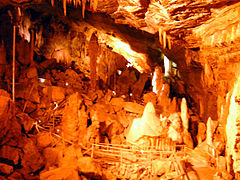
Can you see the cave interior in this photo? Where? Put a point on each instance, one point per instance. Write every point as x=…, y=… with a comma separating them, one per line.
x=119, y=89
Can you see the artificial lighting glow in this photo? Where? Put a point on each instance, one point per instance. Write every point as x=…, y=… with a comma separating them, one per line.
x=56, y=106
x=39, y=121
x=24, y=27
x=114, y=93
x=58, y=130
x=129, y=65
x=166, y=66
x=42, y=80
x=119, y=72
x=123, y=96
x=66, y=84
x=138, y=60
x=163, y=87
x=130, y=94
x=233, y=116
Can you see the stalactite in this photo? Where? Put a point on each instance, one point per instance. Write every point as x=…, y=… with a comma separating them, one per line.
x=83, y=8
x=52, y=2
x=164, y=39
x=169, y=42
x=65, y=7
x=160, y=36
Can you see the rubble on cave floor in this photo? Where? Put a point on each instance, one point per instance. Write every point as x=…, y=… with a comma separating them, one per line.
x=58, y=118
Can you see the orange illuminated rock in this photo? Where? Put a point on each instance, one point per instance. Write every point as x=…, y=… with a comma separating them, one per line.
x=148, y=124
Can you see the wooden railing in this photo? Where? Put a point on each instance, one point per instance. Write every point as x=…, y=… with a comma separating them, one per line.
x=130, y=156
x=134, y=153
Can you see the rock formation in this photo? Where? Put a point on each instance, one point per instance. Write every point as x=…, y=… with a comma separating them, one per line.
x=84, y=70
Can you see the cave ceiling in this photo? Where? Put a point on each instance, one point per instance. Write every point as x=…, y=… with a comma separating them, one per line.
x=171, y=25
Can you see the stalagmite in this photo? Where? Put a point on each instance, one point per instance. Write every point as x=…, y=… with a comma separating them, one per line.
x=70, y=120
x=160, y=35
x=157, y=81
x=184, y=114
x=201, y=132
x=164, y=39
x=209, y=131
x=93, y=54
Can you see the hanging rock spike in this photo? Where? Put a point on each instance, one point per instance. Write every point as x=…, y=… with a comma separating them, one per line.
x=83, y=8
x=160, y=35
x=52, y=3
x=164, y=39
x=65, y=7
x=169, y=42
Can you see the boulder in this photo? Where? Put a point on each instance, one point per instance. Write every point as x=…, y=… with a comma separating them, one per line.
x=44, y=139
x=5, y=169
x=27, y=106
x=13, y=136
x=4, y=104
x=51, y=156
x=55, y=93
x=28, y=90
x=60, y=173
x=70, y=157
x=115, y=128
x=89, y=167
x=31, y=72
x=118, y=102
x=5, y=115
x=117, y=139
x=26, y=121
x=15, y=175
x=31, y=159
x=160, y=167
x=150, y=97
x=133, y=107
x=4, y=93
x=10, y=154
x=124, y=118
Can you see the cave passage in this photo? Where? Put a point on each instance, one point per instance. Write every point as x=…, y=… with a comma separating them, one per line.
x=91, y=90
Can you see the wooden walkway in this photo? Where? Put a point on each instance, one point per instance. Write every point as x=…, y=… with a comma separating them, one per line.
x=131, y=158
x=134, y=153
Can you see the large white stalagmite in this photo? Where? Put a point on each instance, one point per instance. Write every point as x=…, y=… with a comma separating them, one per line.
x=209, y=138
x=232, y=130
x=184, y=114
x=157, y=80
x=147, y=125
x=187, y=138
